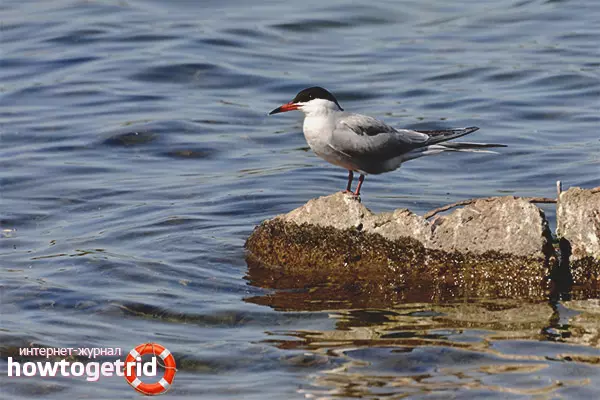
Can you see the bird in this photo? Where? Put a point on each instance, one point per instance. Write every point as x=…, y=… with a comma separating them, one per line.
x=362, y=144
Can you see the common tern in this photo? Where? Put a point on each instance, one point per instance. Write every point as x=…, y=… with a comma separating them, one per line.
x=363, y=144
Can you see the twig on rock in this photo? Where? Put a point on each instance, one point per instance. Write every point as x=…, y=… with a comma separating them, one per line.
x=438, y=210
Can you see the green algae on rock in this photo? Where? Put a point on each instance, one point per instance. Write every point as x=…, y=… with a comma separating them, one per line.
x=337, y=246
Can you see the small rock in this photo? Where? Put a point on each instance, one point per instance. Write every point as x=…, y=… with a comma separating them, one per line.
x=578, y=217
x=325, y=211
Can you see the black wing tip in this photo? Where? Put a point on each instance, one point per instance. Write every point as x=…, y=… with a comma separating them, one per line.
x=471, y=129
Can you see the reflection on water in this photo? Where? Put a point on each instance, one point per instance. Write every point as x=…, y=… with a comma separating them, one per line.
x=472, y=348
x=387, y=344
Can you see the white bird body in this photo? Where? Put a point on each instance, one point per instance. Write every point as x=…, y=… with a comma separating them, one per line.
x=364, y=144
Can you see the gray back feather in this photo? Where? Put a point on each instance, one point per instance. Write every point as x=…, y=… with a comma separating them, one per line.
x=358, y=135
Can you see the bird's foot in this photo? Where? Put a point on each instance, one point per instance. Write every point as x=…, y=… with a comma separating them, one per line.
x=352, y=194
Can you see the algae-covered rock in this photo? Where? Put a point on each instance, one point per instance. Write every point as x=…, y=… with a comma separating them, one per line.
x=338, y=245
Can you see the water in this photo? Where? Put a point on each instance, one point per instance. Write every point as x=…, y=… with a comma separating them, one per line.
x=137, y=157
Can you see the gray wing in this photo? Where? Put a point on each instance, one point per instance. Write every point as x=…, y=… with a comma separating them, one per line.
x=363, y=137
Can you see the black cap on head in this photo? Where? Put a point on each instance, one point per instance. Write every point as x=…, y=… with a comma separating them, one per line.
x=315, y=92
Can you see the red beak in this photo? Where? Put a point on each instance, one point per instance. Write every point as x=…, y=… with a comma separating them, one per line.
x=286, y=107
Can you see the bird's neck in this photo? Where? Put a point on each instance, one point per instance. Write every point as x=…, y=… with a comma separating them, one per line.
x=319, y=121
x=322, y=112
x=319, y=108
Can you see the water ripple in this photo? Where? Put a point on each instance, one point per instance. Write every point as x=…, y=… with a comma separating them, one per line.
x=137, y=156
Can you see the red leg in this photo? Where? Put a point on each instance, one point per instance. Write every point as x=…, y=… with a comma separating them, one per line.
x=350, y=179
x=361, y=179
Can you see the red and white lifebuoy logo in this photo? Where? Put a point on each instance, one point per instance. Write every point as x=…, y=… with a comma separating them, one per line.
x=133, y=369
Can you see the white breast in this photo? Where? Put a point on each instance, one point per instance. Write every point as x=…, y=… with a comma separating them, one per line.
x=318, y=132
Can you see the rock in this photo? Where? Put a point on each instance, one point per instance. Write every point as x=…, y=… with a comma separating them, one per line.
x=341, y=211
x=336, y=243
x=503, y=224
x=578, y=217
x=578, y=227
x=325, y=211
x=400, y=223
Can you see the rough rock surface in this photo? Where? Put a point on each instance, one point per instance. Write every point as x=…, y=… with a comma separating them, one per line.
x=325, y=211
x=401, y=223
x=342, y=211
x=578, y=217
x=335, y=242
x=502, y=224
